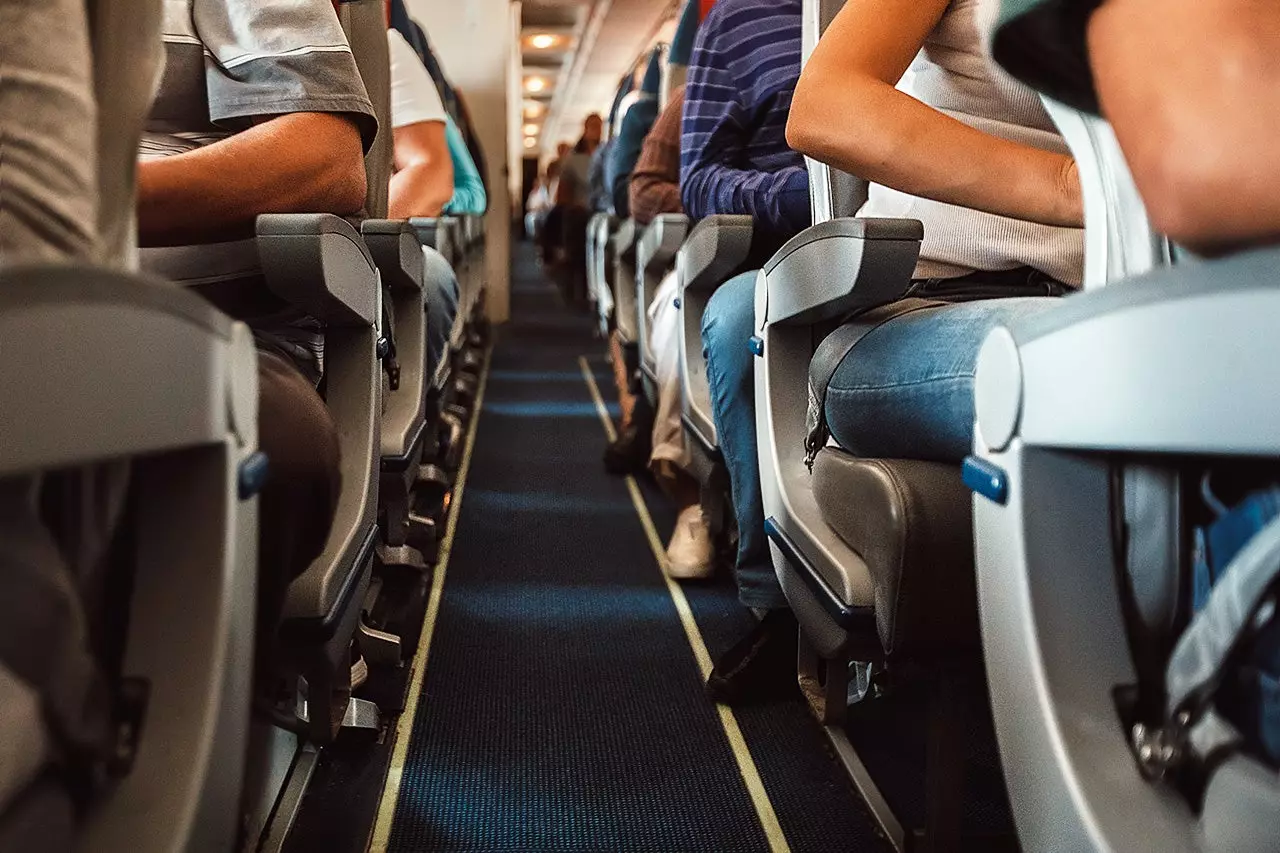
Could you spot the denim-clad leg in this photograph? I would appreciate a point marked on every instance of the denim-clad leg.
(441, 294)
(726, 329)
(906, 390)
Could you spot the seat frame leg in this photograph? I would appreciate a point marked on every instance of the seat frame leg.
(824, 683)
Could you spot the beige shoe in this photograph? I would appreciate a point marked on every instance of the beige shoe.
(359, 672)
(691, 553)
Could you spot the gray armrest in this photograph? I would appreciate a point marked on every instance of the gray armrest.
(624, 241)
(841, 266)
(625, 312)
(661, 242)
(1070, 378)
(395, 248)
(715, 249)
(317, 262)
(442, 233)
(655, 252)
(112, 345)
(823, 273)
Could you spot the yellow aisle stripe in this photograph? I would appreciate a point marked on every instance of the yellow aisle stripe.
(404, 726)
(737, 743)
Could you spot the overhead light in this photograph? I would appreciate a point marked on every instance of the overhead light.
(530, 142)
(530, 130)
(533, 109)
(542, 41)
(535, 84)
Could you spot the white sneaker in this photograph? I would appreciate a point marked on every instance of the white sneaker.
(691, 553)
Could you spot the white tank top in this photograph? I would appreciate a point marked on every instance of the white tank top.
(954, 73)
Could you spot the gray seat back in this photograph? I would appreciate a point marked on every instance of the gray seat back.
(832, 193)
(1119, 240)
(364, 22)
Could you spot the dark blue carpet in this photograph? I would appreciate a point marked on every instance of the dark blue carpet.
(562, 708)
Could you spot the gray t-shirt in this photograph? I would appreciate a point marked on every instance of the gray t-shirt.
(227, 64)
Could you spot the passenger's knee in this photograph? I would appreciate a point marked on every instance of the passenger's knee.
(727, 321)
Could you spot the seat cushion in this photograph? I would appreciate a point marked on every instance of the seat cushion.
(911, 522)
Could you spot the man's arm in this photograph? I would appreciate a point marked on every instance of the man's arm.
(714, 138)
(1192, 89)
(655, 184)
(423, 182)
(296, 163)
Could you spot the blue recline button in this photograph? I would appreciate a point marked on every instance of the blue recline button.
(756, 345)
(677, 302)
(252, 475)
(986, 479)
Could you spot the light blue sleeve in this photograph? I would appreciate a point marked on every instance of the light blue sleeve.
(468, 190)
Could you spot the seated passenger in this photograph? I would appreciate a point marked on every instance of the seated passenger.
(735, 160)
(636, 124)
(629, 453)
(655, 189)
(971, 154)
(423, 181)
(270, 125)
(1191, 101)
(469, 194)
(454, 104)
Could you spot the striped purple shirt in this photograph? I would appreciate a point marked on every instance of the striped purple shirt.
(733, 148)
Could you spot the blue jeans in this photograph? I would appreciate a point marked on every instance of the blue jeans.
(440, 288)
(906, 390)
(726, 328)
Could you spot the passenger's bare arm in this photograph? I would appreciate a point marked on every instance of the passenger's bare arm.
(1192, 88)
(423, 183)
(296, 163)
(846, 112)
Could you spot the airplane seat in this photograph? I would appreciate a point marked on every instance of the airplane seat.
(641, 106)
(875, 556)
(396, 252)
(320, 263)
(714, 250)
(676, 69)
(660, 243)
(1083, 608)
(600, 272)
(158, 732)
(655, 255)
(626, 313)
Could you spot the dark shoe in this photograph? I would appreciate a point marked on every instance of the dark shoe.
(760, 666)
(629, 453)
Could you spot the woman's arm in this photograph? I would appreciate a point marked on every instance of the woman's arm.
(1192, 89)
(846, 112)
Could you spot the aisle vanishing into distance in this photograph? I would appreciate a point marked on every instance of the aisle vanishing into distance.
(562, 706)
